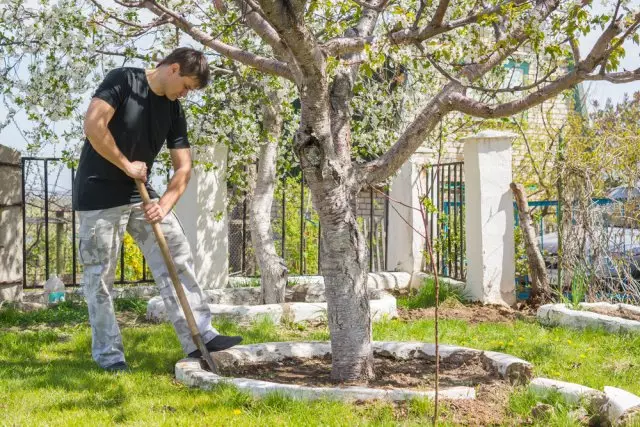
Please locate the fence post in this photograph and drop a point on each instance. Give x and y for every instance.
(10, 225)
(405, 249)
(202, 210)
(59, 243)
(489, 217)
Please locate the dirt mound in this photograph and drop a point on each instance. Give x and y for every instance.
(472, 313)
(390, 373)
(617, 312)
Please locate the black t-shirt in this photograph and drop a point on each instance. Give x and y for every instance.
(140, 125)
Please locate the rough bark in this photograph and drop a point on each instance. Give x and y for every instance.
(344, 264)
(273, 271)
(540, 291)
(344, 249)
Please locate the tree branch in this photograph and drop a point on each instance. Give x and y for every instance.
(345, 45)
(621, 77)
(156, 23)
(259, 24)
(267, 65)
(421, 34)
(288, 23)
(438, 17)
(379, 8)
(581, 72)
(380, 169)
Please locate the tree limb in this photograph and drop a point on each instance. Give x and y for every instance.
(540, 291)
(379, 8)
(620, 77)
(259, 24)
(156, 23)
(381, 168)
(287, 21)
(581, 72)
(438, 17)
(344, 45)
(267, 65)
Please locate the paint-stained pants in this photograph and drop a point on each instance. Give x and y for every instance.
(101, 233)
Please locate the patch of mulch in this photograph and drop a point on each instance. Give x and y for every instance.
(488, 409)
(616, 312)
(472, 313)
(390, 372)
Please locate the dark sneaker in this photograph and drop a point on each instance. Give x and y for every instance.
(117, 367)
(218, 343)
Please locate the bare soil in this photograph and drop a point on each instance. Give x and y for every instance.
(490, 408)
(472, 313)
(390, 373)
(617, 312)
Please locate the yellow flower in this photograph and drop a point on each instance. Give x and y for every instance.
(569, 342)
(583, 356)
(237, 411)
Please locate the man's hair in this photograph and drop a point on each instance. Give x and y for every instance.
(192, 63)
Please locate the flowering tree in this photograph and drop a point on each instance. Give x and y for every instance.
(453, 54)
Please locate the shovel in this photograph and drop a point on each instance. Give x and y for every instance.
(184, 303)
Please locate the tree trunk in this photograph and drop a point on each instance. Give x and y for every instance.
(273, 271)
(344, 262)
(540, 291)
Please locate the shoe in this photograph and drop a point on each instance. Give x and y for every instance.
(117, 367)
(218, 343)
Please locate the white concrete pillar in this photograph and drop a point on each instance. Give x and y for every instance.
(10, 225)
(406, 244)
(202, 210)
(489, 218)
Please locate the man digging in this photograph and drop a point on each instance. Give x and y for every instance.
(132, 113)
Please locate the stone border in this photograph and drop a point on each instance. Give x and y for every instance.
(137, 291)
(190, 372)
(617, 405)
(382, 280)
(561, 315)
(382, 304)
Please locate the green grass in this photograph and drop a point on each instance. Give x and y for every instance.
(426, 295)
(592, 358)
(47, 376)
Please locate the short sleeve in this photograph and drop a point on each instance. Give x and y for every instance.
(115, 88)
(177, 136)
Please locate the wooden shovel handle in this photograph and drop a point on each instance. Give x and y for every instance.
(177, 285)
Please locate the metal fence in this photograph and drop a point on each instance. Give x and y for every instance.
(297, 232)
(49, 231)
(446, 208)
(50, 228)
(444, 185)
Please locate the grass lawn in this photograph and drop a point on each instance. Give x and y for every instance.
(47, 376)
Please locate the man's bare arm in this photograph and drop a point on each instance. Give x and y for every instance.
(97, 131)
(181, 161)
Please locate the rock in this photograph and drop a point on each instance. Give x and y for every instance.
(542, 410)
(622, 405)
(32, 306)
(580, 415)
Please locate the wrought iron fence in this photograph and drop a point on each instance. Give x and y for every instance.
(49, 231)
(297, 232)
(50, 228)
(444, 184)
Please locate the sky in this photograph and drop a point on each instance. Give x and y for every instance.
(599, 91)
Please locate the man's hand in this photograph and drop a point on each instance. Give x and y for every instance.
(154, 212)
(137, 170)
